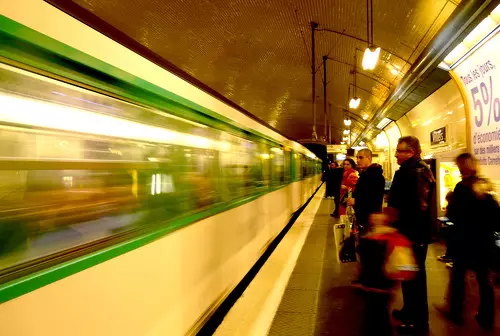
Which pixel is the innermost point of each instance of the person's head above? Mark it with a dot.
(408, 147)
(467, 164)
(334, 164)
(349, 163)
(364, 158)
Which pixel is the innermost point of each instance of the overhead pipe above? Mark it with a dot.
(324, 93)
(314, 25)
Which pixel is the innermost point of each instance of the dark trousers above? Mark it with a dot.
(457, 289)
(376, 319)
(450, 245)
(416, 308)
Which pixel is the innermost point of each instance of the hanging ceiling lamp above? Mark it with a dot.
(372, 53)
(355, 101)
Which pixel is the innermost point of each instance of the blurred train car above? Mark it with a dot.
(131, 202)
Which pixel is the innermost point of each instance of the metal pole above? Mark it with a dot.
(324, 93)
(329, 123)
(314, 25)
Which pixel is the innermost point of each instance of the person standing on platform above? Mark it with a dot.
(335, 178)
(330, 183)
(368, 196)
(412, 196)
(349, 180)
(476, 215)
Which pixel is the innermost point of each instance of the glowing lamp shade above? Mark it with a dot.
(346, 132)
(370, 58)
(347, 122)
(354, 103)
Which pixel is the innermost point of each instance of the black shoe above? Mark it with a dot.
(412, 329)
(484, 323)
(399, 314)
(445, 312)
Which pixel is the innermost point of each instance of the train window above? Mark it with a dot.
(81, 168)
(278, 166)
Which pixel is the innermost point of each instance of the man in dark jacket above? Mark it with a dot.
(412, 195)
(369, 193)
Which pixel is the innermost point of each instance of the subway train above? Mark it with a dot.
(131, 202)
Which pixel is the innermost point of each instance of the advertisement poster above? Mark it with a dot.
(479, 76)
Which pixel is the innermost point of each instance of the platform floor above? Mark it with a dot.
(318, 299)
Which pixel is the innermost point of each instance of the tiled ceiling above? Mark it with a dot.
(257, 53)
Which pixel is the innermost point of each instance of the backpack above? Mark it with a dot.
(400, 263)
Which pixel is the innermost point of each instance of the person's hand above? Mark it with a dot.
(350, 201)
(343, 187)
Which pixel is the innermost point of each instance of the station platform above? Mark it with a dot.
(303, 289)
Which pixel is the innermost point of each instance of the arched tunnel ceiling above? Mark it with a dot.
(257, 53)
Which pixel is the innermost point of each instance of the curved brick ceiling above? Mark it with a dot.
(258, 52)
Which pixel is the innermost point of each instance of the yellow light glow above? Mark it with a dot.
(347, 122)
(495, 14)
(365, 116)
(264, 156)
(394, 71)
(370, 58)
(482, 29)
(347, 131)
(455, 54)
(153, 184)
(354, 103)
(36, 113)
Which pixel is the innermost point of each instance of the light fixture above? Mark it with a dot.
(346, 131)
(394, 71)
(347, 122)
(354, 102)
(342, 142)
(384, 122)
(372, 53)
(370, 58)
(478, 34)
(365, 116)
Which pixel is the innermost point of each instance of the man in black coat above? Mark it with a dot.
(412, 195)
(369, 193)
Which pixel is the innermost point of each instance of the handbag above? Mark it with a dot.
(347, 252)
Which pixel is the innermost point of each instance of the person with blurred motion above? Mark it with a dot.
(447, 257)
(368, 196)
(476, 215)
(349, 179)
(386, 257)
(412, 196)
